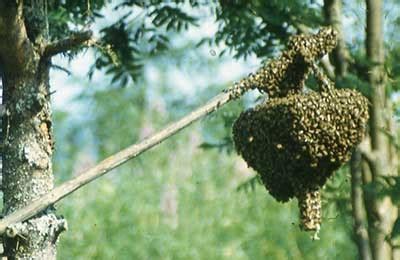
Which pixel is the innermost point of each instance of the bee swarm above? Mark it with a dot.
(296, 140)
(288, 73)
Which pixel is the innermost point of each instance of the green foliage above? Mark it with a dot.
(122, 58)
(68, 15)
(143, 30)
(68, 139)
(249, 184)
(259, 27)
(139, 34)
(146, 28)
(173, 18)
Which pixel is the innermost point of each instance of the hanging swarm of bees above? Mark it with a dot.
(296, 140)
(288, 73)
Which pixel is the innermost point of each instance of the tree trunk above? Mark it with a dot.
(358, 207)
(27, 129)
(340, 57)
(381, 212)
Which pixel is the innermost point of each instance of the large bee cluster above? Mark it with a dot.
(296, 142)
(288, 73)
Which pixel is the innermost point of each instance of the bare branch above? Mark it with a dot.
(76, 40)
(328, 67)
(367, 154)
(114, 161)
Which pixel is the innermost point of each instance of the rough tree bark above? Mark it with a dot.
(340, 58)
(380, 211)
(27, 128)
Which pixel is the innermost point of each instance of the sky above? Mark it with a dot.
(183, 81)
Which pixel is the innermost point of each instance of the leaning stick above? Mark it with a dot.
(114, 161)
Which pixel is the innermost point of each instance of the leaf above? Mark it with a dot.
(250, 184)
(395, 235)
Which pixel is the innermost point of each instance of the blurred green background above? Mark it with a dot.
(179, 201)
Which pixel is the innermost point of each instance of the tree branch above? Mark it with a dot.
(328, 67)
(358, 209)
(367, 154)
(75, 41)
(116, 160)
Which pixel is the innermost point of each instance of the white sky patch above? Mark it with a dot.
(152, 74)
(207, 28)
(66, 86)
(234, 70)
(185, 83)
(180, 81)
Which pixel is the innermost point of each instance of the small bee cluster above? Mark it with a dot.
(310, 210)
(296, 141)
(288, 72)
